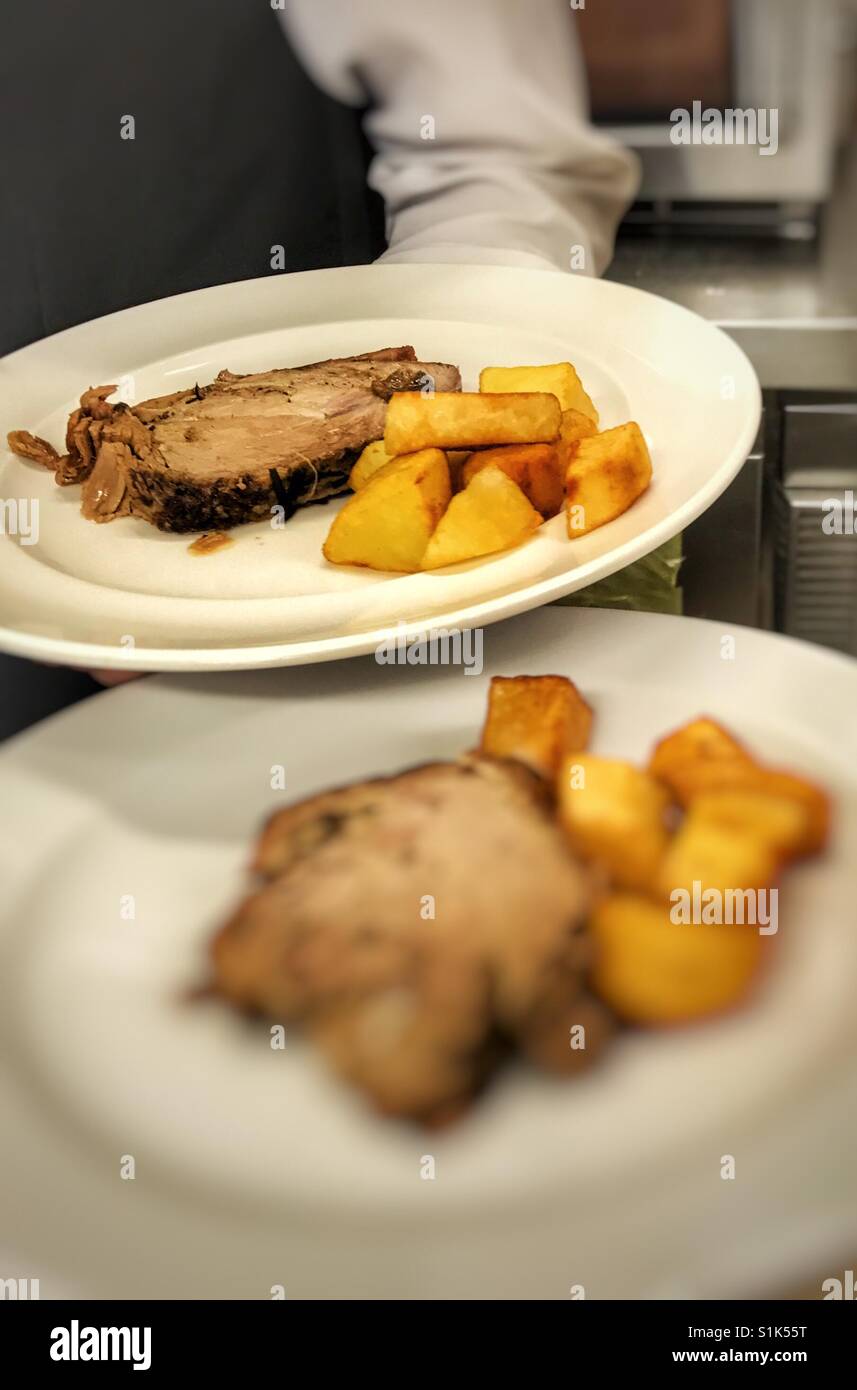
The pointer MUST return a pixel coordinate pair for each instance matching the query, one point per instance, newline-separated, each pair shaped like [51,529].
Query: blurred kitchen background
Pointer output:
[765,246]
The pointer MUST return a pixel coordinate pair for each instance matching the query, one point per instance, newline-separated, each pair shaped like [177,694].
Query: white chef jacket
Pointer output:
[478,116]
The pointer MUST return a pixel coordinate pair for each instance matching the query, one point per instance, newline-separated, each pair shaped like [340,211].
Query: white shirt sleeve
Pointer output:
[478,116]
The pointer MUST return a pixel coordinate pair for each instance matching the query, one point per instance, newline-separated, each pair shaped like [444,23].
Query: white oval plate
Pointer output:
[126,595]
[152,794]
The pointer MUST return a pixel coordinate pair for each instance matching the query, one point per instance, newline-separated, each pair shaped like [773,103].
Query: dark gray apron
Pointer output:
[234,151]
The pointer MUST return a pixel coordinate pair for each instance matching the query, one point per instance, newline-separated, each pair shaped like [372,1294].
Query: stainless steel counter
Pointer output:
[791,305]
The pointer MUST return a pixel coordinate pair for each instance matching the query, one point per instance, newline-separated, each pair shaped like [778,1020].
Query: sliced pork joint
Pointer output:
[216,456]
[411,924]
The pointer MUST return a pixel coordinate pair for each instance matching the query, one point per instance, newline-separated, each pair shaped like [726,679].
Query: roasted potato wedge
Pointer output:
[576,426]
[715,857]
[703,759]
[615,814]
[652,970]
[536,719]
[784,823]
[373,457]
[390,521]
[559,379]
[681,759]
[605,476]
[491,514]
[775,783]
[469,420]
[536,468]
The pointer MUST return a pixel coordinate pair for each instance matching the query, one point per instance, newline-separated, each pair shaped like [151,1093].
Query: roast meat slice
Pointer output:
[412,923]
[215,456]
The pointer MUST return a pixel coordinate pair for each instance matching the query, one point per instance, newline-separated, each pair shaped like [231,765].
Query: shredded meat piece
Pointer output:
[30,446]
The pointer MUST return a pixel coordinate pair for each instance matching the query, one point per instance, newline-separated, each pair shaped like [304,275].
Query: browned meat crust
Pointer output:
[411,1003]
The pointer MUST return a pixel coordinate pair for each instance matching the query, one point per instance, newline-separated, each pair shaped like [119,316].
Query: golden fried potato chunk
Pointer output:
[536,719]
[605,475]
[390,521]
[715,856]
[703,759]
[575,425]
[681,759]
[615,815]
[653,970]
[469,420]
[560,379]
[491,514]
[785,823]
[373,457]
[538,469]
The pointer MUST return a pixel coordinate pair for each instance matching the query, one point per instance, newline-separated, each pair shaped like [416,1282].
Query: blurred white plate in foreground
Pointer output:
[254,1167]
[84,591]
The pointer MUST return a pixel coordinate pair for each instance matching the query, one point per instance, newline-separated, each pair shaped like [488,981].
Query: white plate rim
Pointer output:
[506,604]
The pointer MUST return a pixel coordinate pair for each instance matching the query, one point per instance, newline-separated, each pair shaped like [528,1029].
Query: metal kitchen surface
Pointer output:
[773,551]
[792,305]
